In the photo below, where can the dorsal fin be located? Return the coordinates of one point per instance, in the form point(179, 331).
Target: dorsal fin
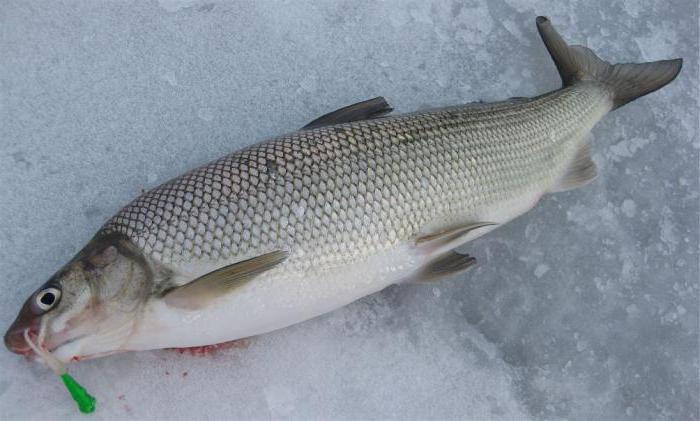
point(365, 110)
point(203, 290)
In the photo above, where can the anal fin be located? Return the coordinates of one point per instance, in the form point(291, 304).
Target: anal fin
point(446, 264)
point(580, 172)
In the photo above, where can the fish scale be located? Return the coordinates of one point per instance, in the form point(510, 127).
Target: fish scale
point(344, 192)
point(308, 222)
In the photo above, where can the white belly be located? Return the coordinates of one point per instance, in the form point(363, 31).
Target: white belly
point(270, 302)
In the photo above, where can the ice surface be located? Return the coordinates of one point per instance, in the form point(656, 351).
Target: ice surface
point(586, 308)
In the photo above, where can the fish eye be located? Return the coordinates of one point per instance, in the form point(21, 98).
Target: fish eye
point(47, 298)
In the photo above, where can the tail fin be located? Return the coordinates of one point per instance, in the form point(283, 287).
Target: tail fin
point(628, 81)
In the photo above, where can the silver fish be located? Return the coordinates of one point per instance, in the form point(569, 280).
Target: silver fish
point(302, 224)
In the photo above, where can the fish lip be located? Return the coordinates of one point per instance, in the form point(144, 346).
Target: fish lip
point(68, 342)
point(71, 356)
point(15, 342)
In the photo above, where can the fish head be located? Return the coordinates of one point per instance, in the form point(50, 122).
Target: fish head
point(89, 307)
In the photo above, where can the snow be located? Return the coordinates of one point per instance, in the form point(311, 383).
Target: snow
point(585, 308)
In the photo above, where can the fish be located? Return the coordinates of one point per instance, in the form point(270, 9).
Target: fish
point(297, 226)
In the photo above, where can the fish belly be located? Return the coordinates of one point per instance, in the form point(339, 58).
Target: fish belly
point(273, 301)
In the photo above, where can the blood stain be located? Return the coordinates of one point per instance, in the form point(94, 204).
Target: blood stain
point(202, 351)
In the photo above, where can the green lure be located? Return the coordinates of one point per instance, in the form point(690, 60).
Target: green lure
point(86, 402)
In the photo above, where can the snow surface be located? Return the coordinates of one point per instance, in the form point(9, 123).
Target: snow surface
point(586, 308)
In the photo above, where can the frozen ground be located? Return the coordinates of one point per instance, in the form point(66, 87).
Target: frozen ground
point(586, 308)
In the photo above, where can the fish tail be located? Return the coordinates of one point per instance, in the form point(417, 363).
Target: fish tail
point(628, 81)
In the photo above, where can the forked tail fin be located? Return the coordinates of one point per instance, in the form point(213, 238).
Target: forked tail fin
point(628, 81)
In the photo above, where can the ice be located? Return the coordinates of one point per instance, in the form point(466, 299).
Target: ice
point(585, 308)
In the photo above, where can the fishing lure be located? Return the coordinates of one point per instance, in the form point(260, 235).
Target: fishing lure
point(86, 402)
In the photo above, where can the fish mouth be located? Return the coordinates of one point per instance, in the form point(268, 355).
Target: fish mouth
point(68, 350)
point(15, 342)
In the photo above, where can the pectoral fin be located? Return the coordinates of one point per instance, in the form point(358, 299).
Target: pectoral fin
point(365, 110)
point(200, 292)
point(446, 264)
